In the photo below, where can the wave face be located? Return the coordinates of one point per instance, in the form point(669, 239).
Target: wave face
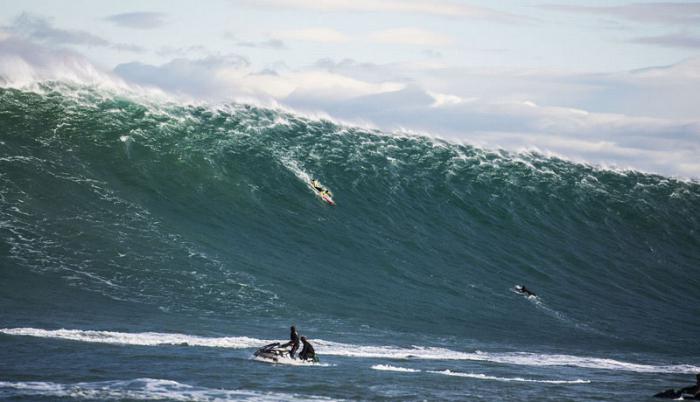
point(200, 217)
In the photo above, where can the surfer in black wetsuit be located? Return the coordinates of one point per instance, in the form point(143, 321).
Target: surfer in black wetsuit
point(522, 289)
point(293, 341)
point(307, 352)
point(693, 390)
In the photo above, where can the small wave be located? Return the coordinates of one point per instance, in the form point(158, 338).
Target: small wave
point(350, 350)
point(139, 389)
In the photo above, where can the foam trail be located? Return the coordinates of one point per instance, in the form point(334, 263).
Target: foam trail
point(384, 367)
point(507, 379)
point(139, 339)
point(539, 303)
point(350, 350)
point(139, 389)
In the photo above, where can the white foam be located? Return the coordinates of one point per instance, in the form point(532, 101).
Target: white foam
point(292, 362)
point(141, 339)
point(479, 376)
point(386, 367)
point(507, 379)
point(349, 350)
point(140, 389)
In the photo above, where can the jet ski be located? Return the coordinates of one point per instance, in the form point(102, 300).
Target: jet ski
point(272, 353)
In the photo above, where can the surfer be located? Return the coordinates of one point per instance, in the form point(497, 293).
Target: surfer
point(307, 352)
point(318, 187)
point(293, 341)
point(691, 392)
point(522, 289)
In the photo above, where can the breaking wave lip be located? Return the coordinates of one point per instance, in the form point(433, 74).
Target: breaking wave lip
point(479, 376)
point(350, 350)
point(141, 389)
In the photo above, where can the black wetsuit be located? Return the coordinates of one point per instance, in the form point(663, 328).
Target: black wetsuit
point(307, 352)
point(294, 341)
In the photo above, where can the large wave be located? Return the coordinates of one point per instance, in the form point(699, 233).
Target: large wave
point(206, 209)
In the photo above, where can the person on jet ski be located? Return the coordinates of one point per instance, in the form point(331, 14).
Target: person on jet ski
point(293, 341)
point(522, 289)
point(307, 352)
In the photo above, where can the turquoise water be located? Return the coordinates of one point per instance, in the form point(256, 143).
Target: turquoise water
point(148, 247)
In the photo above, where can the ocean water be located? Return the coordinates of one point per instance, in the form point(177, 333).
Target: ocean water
point(147, 247)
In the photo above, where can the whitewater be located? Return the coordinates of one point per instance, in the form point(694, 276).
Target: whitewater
point(148, 246)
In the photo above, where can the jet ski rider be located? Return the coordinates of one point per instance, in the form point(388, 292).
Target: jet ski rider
point(293, 340)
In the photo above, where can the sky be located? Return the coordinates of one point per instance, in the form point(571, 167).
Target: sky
point(613, 83)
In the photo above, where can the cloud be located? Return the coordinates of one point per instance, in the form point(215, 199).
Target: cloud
point(226, 77)
point(441, 8)
point(138, 20)
point(184, 51)
point(658, 13)
point(323, 35)
point(410, 36)
point(41, 30)
point(672, 40)
point(198, 78)
point(264, 44)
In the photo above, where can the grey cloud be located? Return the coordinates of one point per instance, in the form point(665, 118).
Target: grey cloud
point(265, 44)
point(41, 30)
point(672, 40)
point(685, 13)
point(184, 76)
point(138, 20)
point(182, 51)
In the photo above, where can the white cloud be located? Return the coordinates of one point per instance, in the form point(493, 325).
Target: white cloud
point(410, 36)
point(221, 77)
point(323, 35)
point(677, 13)
point(441, 8)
